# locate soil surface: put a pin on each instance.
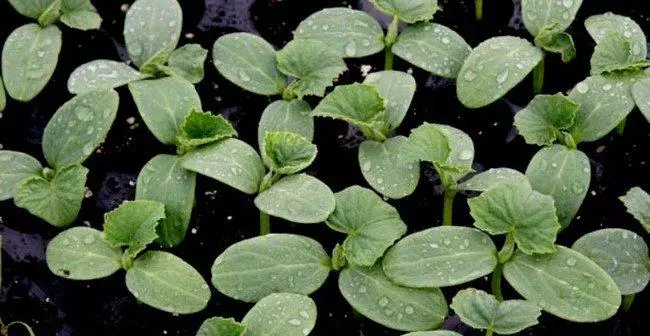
(223, 216)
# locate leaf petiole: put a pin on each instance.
(448, 205)
(620, 128)
(538, 77)
(265, 223)
(391, 37)
(496, 282)
(627, 301)
(478, 8)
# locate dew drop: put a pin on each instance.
(445, 40)
(366, 166)
(582, 88)
(304, 314)
(502, 77)
(567, 3)
(294, 322)
(607, 87)
(383, 302)
(409, 310)
(571, 261)
(89, 239)
(466, 154)
(577, 188)
(351, 49)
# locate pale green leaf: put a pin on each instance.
(102, 74)
(493, 68)
(388, 168)
(371, 224)
(409, 11)
(286, 116)
(565, 284)
(57, 201)
(563, 174)
(163, 104)
(600, 25)
(433, 333)
(433, 47)
(613, 52)
(281, 314)
(81, 253)
(31, 8)
(202, 128)
(15, 167)
(441, 256)
(78, 127)
(641, 94)
(374, 296)
(397, 89)
(621, 253)
(187, 62)
(133, 225)
(637, 202)
(546, 116)
(491, 178)
(164, 180)
(249, 62)
(29, 57)
(287, 153)
(166, 282)
(219, 326)
(481, 310)
(80, 14)
(230, 161)
(254, 268)
(352, 33)
(428, 143)
(538, 14)
(298, 198)
(460, 159)
(551, 38)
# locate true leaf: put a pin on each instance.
(563, 174)
(31, 8)
(613, 52)
(621, 253)
(201, 128)
(409, 11)
(287, 153)
(149, 281)
(254, 268)
(546, 116)
(481, 310)
(371, 224)
(460, 158)
(641, 95)
(78, 127)
(29, 57)
(102, 74)
(249, 62)
(493, 68)
(374, 296)
(163, 104)
(15, 167)
(637, 202)
(57, 201)
(352, 33)
(81, 253)
(432, 47)
(388, 168)
(297, 198)
(440, 257)
(187, 62)
(80, 14)
(51, 14)
(133, 225)
(491, 178)
(600, 25)
(552, 38)
(428, 143)
(230, 161)
(286, 116)
(281, 314)
(538, 14)
(397, 89)
(565, 284)
(219, 326)
(164, 180)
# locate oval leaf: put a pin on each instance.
(637, 202)
(133, 224)
(491, 178)
(15, 167)
(545, 117)
(286, 116)
(409, 11)
(80, 14)
(599, 25)
(538, 14)
(387, 167)
(281, 314)
(102, 74)
(219, 326)
(397, 88)
(287, 153)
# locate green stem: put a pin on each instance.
(507, 249)
(620, 128)
(265, 223)
(538, 77)
(488, 332)
(478, 7)
(448, 205)
(390, 39)
(496, 282)
(627, 301)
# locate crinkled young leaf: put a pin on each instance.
(604, 103)
(371, 224)
(551, 38)
(187, 62)
(81, 253)
(637, 202)
(29, 57)
(201, 128)
(433, 333)
(439, 257)
(230, 161)
(517, 209)
(298, 198)
(219, 326)
(546, 116)
(428, 143)
(563, 174)
(613, 52)
(481, 310)
(538, 14)
(80, 14)
(163, 104)
(397, 89)
(598, 27)
(374, 296)
(287, 153)
(133, 225)
(432, 47)
(409, 11)
(286, 116)
(79, 126)
(621, 253)
(151, 31)
(57, 201)
(102, 74)
(352, 33)
(491, 178)
(254, 268)
(31, 8)
(15, 167)
(493, 68)
(164, 180)
(565, 284)
(460, 158)
(281, 314)
(249, 62)
(388, 168)
(641, 95)
(166, 282)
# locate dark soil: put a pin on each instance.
(223, 216)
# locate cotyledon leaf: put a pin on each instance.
(286, 116)
(440, 257)
(298, 198)
(637, 202)
(102, 74)
(599, 25)
(372, 294)
(230, 161)
(281, 314)
(164, 180)
(538, 14)
(491, 178)
(432, 47)
(31, 8)
(493, 68)
(219, 326)
(352, 33)
(397, 89)
(166, 282)
(79, 126)
(15, 167)
(29, 57)
(641, 94)
(565, 283)
(409, 11)
(254, 268)
(287, 153)
(563, 174)
(542, 121)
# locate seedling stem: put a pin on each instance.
(627, 301)
(448, 205)
(538, 77)
(478, 7)
(391, 37)
(265, 223)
